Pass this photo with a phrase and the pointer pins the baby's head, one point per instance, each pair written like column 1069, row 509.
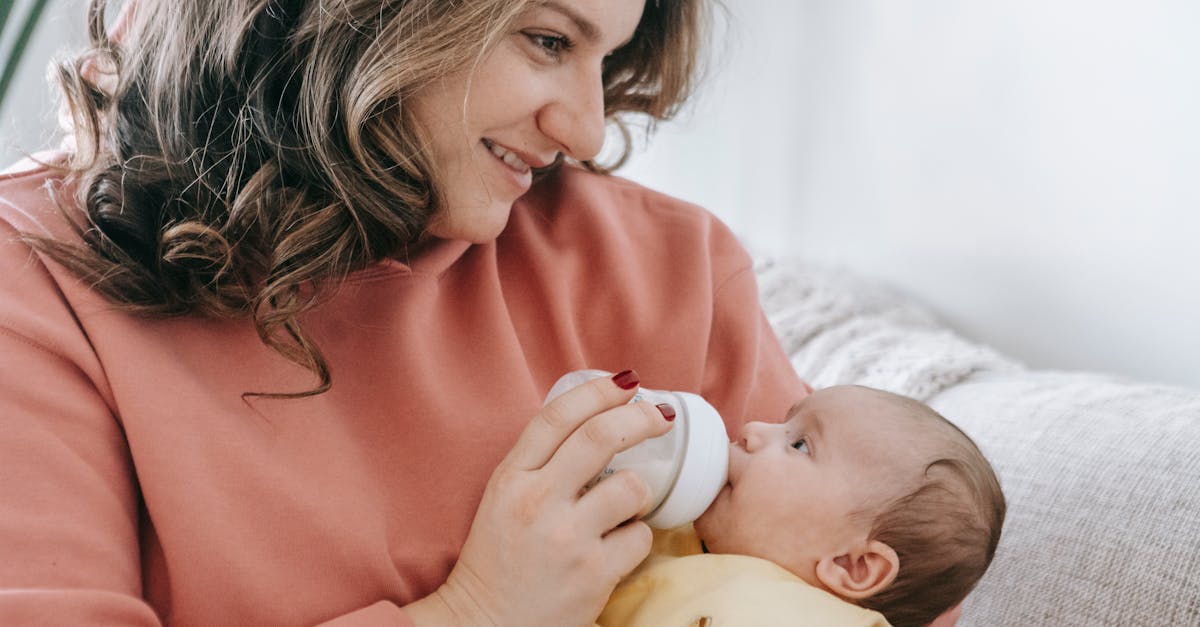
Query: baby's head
column 866, row 494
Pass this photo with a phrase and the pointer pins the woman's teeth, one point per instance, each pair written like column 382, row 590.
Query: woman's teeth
column 512, row 160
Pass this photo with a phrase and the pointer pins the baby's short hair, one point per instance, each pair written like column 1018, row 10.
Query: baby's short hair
column 945, row 530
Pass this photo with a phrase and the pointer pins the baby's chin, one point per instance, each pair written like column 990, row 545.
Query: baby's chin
column 707, row 526
column 702, row 532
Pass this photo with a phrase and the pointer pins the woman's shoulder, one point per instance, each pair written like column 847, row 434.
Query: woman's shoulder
column 30, row 191
column 39, row 300
column 32, row 197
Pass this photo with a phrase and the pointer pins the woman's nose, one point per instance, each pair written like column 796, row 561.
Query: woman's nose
column 575, row 117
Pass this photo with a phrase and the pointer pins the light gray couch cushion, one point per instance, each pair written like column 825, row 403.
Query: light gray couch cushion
column 1102, row 478
column 1102, row 475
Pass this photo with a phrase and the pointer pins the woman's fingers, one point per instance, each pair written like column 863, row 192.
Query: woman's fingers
column 560, row 418
column 591, row 447
column 532, row 525
column 614, row 501
column 627, row 546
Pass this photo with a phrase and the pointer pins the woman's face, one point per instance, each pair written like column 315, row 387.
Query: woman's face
column 537, row 94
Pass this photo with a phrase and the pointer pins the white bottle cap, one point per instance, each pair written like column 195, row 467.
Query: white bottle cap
column 705, row 466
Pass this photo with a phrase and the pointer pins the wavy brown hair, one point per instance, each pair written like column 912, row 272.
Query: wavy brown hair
column 237, row 158
column 945, row 529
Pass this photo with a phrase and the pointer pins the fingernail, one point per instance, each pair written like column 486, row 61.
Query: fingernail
column 626, row 380
column 668, row 412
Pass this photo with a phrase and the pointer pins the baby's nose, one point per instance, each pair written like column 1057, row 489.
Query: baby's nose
column 754, row 435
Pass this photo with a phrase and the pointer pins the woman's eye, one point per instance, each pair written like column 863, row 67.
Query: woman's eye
column 552, row 45
column 801, row 445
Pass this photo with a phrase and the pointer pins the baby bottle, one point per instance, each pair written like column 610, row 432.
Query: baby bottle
column 684, row 468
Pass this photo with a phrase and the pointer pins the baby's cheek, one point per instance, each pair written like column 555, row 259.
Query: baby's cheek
column 698, row 524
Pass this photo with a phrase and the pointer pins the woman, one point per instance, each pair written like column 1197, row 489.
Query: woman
column 275, row 335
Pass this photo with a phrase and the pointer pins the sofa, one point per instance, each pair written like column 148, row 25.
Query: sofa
column 1101, row 473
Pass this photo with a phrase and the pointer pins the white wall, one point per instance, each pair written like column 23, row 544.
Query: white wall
column 27, row 119
column 1030, row 169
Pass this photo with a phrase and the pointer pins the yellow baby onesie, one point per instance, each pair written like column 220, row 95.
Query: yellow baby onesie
column 679, row 586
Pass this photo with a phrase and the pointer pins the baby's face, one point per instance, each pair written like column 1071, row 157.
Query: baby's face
column 795, row 486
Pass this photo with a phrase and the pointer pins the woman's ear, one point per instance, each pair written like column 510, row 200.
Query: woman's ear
column 861, row 573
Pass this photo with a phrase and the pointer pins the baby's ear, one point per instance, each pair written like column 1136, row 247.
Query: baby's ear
column 861, row 573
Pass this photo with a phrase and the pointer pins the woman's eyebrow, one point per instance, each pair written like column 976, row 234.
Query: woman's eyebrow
column 589, row 30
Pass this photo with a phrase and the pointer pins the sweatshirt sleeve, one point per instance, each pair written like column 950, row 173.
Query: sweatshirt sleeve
column 747, row 375
column 69, row 524
column 71, row 514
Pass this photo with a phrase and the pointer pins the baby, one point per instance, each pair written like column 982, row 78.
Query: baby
column 861, row 503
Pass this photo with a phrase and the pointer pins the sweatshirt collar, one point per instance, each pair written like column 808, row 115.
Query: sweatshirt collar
column 431, row 258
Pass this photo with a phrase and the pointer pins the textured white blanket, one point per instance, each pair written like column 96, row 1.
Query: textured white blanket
column 839, row 328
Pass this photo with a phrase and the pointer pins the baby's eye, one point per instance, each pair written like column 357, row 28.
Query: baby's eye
column 801, row 445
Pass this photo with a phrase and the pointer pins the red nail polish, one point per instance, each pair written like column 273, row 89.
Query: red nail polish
column 668, row 412
column 626, row 380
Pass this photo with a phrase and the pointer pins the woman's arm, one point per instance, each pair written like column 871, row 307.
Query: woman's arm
column 69, row 521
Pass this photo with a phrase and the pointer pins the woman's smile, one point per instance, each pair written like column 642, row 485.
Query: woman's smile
column 517, row 168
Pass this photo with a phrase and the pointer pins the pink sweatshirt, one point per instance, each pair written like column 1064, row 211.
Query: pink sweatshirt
column 138, row 488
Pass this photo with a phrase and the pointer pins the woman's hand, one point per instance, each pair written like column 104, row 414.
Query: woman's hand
column 541, row 551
